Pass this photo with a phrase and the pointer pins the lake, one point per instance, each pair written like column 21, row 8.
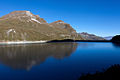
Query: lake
column 56, row 61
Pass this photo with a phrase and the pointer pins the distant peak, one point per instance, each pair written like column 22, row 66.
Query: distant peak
column 85, row 33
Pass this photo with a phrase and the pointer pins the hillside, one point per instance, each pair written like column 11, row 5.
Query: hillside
column 116, row 39
column 88, row 36
column 108, row 37
column 25, row 26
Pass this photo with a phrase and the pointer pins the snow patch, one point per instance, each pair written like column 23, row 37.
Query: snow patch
column 11, row 30
column 35, row 20
column 28, row 13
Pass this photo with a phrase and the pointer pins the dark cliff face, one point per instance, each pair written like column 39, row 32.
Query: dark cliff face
column 116, row 39
column 23, row 25
column 88, row 36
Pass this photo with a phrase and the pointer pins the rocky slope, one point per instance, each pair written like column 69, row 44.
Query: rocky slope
column 108, row 37
column 25, row 26
column 87, row 36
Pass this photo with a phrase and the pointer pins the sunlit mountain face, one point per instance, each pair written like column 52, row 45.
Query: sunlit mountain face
column 25, row 26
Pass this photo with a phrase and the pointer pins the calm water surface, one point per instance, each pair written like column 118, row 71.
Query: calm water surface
column 56, row 61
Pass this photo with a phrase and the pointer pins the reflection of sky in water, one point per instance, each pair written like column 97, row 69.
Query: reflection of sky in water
column 95, row 45
column 56, row 61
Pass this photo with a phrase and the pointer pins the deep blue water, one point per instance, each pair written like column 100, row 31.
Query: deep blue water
column 56, row 61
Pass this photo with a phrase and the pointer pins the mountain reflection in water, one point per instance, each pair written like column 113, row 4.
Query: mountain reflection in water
column 25, row 56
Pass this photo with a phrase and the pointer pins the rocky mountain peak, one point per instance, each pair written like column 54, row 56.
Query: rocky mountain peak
column 62, row 25
column 24, row 16
column 58, row 22
column 18, row 14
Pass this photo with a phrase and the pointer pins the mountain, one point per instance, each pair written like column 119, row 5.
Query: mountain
column 88, row 36
column 25, row 26
column 108, row 37
column 62, row 25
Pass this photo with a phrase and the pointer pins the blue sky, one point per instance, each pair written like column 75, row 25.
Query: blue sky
column 100, row 17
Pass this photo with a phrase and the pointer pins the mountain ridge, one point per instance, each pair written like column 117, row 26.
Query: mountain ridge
column 88, row 36
column 25, row 26
column 108, row 37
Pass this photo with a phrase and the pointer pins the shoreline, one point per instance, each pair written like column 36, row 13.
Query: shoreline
column 52, row 41
column 69, row 40
column 22, row 42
